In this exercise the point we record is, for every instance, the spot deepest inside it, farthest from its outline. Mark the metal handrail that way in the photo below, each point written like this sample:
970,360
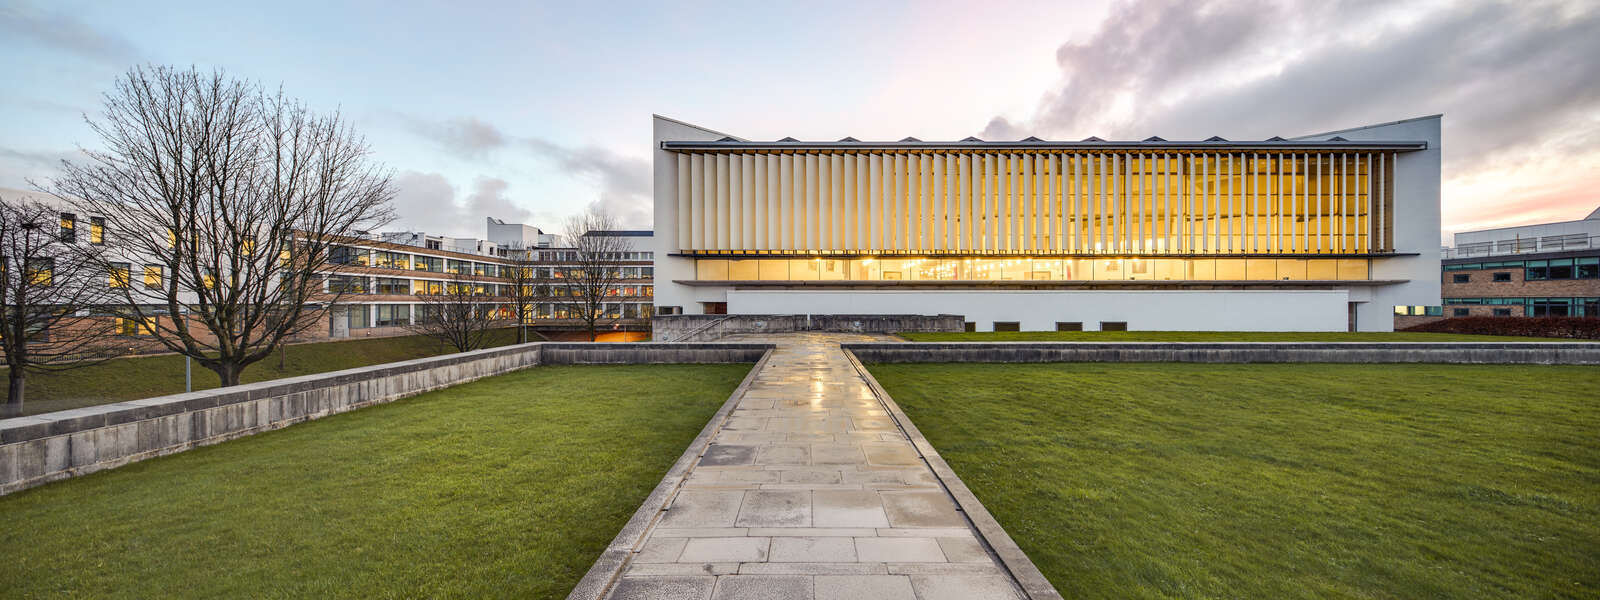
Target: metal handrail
1520,246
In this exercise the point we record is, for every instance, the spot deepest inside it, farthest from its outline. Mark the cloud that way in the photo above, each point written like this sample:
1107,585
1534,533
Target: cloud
623,183
428,202
620,184
465,137
1517,82
65,32
19,167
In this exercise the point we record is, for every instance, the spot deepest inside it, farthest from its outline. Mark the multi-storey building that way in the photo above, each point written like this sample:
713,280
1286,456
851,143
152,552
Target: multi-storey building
1321,232
380,279
1549,269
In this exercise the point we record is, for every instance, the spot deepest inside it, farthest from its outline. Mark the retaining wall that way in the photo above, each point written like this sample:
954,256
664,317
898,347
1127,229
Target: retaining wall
1575,353
43,448
688,328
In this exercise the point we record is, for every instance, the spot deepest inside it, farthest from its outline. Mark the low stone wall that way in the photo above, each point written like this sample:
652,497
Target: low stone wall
691,328
1540,353
43,448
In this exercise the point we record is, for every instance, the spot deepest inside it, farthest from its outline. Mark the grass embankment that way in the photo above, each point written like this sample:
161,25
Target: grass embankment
1213,336
148,376
1279,481
505,487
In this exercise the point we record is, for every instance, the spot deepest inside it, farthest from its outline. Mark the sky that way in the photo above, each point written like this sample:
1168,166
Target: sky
529,112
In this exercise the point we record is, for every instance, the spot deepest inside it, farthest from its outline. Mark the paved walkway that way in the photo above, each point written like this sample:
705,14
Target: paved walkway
811,490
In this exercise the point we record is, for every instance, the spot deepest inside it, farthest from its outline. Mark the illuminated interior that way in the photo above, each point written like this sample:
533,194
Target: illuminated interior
1033,269
1032,202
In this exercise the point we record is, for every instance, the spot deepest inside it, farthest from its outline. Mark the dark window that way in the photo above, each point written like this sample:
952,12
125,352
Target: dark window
715,308
1537,270
1561,269
389,315
1502,312
1460,278
1069,326
1502,276
969,326
1459,312
1550,308
69,227
1588,268
1113,326
1006,326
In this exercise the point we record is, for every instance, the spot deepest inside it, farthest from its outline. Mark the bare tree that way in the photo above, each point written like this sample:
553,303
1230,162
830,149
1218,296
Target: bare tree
234,198
520,288
457,314
49,290
592,275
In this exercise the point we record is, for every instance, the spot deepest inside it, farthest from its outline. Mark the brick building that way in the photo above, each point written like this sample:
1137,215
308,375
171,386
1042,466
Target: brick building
1549,269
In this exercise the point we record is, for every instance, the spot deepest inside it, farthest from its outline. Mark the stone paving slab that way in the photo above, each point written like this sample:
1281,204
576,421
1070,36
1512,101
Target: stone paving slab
811,490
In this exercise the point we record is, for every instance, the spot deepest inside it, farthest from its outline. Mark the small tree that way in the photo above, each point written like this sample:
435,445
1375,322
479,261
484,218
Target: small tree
521,289
49,289
592,275
234,198
456,313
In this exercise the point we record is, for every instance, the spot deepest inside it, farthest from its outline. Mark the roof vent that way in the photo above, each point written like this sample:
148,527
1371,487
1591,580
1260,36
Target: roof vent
1030,139
1154,139
970,139
910,139
1276,139
1337,139
1093,138
789,139
1216,138
848,139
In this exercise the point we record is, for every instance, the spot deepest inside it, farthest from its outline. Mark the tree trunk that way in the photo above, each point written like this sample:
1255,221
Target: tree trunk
228,373
15,393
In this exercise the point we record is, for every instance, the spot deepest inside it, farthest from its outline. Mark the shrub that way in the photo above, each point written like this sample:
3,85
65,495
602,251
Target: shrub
1556,327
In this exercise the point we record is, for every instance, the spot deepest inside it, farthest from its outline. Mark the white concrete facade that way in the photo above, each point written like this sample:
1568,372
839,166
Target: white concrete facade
1041,310
1367,196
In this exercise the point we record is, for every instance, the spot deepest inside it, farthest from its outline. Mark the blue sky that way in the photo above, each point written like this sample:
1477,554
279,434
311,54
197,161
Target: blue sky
533,111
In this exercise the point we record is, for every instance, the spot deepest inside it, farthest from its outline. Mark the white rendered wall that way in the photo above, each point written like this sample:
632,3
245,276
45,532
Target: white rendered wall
1416,222
665,240
1038,310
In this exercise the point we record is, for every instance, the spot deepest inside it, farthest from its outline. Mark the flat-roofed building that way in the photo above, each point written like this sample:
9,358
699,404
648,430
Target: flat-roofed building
1317,233
1541,270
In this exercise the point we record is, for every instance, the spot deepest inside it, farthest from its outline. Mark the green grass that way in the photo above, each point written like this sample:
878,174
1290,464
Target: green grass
148,376
1279,481
1213,336
506,487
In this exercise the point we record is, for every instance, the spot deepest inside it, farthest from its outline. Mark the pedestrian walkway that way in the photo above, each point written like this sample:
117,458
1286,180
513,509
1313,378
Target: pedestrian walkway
810,490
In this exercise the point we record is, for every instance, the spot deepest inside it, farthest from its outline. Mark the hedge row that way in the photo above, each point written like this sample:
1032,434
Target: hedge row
1556,327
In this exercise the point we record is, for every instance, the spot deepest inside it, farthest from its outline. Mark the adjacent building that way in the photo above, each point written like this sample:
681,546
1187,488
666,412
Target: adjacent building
378,280
1326,232
1544,270
381,279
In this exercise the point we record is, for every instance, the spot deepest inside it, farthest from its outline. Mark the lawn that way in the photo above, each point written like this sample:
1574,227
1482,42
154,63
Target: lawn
1214,336
506,487
1279,481
150,376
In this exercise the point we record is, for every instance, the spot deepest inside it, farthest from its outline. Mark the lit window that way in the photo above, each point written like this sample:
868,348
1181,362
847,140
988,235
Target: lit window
152,277
40,271
97,230
120,275
69,227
